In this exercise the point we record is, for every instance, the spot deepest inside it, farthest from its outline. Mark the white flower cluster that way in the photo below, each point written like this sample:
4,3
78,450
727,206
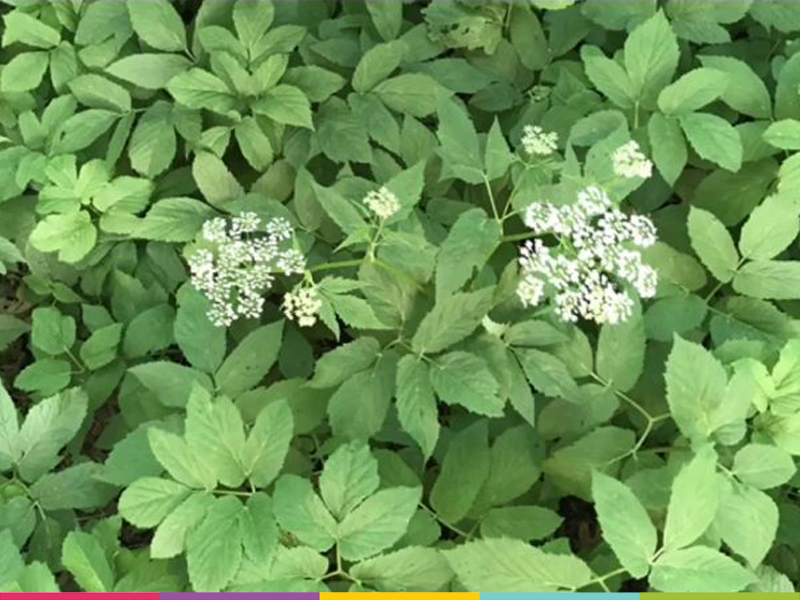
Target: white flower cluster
383,203
630,162
538,142
599,248
303,305
235,275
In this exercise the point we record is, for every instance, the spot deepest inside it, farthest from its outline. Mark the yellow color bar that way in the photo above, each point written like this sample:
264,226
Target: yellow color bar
719,596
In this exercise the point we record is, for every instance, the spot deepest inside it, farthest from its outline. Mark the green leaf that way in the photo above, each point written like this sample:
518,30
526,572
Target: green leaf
692,91
26,29
784,134
95,91
387,17
11,328
300,511
254,143
464,470
197,88
696,386
349,476
341,210
520,522
651,57
763,466
214,548
411,569
514,469
153,144
669,146
341,363
46,376
416,404
608,77
378,522
149,500
465,379
170,537
52,332
101,348
377,64
202,343
414,94
11,564
180,461
251,21
714,139
158,24
267,444
746,91
471,241
625,523
713,244
693,502
358,408
498,156
769,279
698,569
9,428
151,71
84,558
460,145
73,235
251,360
620,353
215,431
215,181
747,520
170,382
451,320
285,104
24,72
505,565
770,229
175,220
75,487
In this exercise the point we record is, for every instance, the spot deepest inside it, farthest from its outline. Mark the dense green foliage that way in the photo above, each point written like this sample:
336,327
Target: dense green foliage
429,431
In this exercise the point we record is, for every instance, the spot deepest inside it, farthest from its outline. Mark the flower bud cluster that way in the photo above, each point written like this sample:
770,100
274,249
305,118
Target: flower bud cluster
630,162
242,263
302,305
598,250
538,142
383,203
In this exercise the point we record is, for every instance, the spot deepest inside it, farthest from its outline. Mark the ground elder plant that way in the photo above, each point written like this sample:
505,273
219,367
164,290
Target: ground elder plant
399,296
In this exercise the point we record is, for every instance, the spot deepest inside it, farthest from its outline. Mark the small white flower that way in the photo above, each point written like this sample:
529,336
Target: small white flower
235,275
630,162
599,248
383,203
302,305
538,142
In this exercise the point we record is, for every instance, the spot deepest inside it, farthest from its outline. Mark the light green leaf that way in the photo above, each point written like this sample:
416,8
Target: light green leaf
608,76
52,332
620,353
170,537
214,548
9,428
412,569
651,57
386,16
769,279
202,343
254,143
377,64
669,146
95,91
465,379
285,104
300,511
497,156
158,24
746,91
267,443
770,229
197,88
505,565
72,235
84,558
27,29
416,404
763,466
341,363
152,71
713,244
460,145
470,243
180,461
251,360
698,569
24,72
747,520
464,470
101,347
349,476
692,91
714,139
625,524
693,502
252,20
150,499
414,94
451,320
378,522
170,382
521,522
215,181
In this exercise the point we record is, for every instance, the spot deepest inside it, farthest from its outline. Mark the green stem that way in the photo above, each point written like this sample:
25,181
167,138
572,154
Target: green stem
491,199
453,528
343,264
517,237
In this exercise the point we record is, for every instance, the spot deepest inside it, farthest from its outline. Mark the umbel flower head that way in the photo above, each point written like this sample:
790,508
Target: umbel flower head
630,162
538,142
383,203
303,305
241,266
599,252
